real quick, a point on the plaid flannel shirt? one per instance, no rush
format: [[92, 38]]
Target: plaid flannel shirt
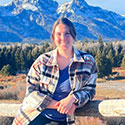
[[42, 80]]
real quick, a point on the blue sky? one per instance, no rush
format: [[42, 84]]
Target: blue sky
[[117, 6]]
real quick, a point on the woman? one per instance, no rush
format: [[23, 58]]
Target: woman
[[58, 82]]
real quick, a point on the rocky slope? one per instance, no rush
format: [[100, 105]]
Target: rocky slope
[[33, 19]]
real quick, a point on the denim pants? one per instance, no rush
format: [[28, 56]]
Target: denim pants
[[41, 120]]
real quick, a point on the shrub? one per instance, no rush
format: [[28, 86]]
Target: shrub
[[9, 93], [6, 70], [14, 91]]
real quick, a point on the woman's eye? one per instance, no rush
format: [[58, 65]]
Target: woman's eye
[[58, 34], [67, 33]]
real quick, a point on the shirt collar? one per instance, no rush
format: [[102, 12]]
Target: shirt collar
[[77, 56], [53, 57]]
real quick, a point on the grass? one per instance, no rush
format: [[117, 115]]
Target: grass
[[15, 86], [108, 93]]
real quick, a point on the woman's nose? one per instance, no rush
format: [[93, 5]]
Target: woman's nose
[[63, 37]]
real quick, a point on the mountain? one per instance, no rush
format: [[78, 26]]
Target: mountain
[[27, 19], [91, 21], [33, 19]]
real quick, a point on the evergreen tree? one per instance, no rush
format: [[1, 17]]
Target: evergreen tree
[[111, 56], [8, 55], [2, 59], [42, 49], [100, 42], [46, 45], [35, 53], [22, 61], [103, 64], [92, 41], [29, 59], [119, 48], [17, 60], [118, 59], [6, 70], [123, 62], [12, 59], [85, 41], [94, 52]]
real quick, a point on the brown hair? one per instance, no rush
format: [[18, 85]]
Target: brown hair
[[67, 22]]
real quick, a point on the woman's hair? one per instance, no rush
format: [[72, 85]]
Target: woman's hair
[[68, 23]]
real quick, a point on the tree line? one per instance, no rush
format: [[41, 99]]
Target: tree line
[[18, 58]]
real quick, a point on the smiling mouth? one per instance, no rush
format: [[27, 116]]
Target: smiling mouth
[[64, 43]]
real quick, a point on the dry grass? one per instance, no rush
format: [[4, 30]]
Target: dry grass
[[108, 93], [108, 88], [9, 93], [12, 80], [99, 80], [120, 70], [15, 87]]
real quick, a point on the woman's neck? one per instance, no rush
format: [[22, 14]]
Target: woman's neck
[[64, 58], [68, 54]]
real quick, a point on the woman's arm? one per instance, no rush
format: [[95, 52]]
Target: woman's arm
[[34, 96], [52, 105], [87, 91], [66, 105]]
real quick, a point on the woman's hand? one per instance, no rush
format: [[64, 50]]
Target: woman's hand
[[52, 105], [71, 111], [66, 106]]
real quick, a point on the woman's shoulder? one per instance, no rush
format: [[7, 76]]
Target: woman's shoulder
[[86, 56], [46, 55]]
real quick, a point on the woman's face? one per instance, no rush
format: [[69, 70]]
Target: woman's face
[[62, 37]]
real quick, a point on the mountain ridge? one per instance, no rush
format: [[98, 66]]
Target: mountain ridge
[[33, 19]]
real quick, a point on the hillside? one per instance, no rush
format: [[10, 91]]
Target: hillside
[[22, 21]]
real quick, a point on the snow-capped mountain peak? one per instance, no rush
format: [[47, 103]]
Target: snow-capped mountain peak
[[80, 3], [27, 19]]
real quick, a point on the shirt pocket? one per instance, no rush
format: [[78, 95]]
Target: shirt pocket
[[44, 82], [46, 85], [82, 79]]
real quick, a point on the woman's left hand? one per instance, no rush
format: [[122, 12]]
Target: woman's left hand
[[66, 106], [71, 111]]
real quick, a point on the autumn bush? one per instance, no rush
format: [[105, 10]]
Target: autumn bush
[[14, 89], [9, 93], [13, 92]]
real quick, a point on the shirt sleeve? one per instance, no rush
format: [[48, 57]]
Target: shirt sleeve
[[35, 97], [87, 92]]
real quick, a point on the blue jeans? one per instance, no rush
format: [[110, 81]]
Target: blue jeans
[[41, 120]]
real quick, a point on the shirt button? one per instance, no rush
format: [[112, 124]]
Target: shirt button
[[40, 109]]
